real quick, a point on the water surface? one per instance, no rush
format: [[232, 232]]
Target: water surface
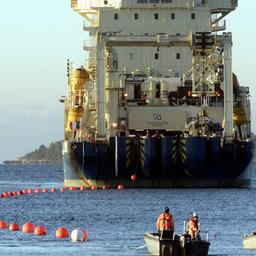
[[116, 220]]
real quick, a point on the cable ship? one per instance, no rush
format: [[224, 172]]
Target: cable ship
[[156, 105]]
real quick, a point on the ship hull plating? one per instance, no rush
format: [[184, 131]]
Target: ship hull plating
[[168, 162]]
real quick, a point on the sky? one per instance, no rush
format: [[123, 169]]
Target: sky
[[37, 38]]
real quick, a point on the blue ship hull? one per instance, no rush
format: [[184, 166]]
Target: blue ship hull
[[168, 162]]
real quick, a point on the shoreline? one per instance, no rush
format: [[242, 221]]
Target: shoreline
[[31, 162]]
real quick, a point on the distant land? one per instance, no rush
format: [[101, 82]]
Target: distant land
[[43, 154]]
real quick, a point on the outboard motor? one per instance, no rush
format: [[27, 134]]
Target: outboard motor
[[185, 244], [169, 247]]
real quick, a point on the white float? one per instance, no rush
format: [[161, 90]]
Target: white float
[[79, 235]]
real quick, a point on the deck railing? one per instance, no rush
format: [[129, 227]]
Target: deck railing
[[222, 4], [170, 102], [92, 4]]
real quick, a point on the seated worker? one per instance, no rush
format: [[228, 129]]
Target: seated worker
[[193, 226], [165, 224]]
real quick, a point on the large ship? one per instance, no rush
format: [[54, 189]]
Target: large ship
[[156, 105]]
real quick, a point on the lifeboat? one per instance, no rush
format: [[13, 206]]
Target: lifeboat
[[78, 78], [74, 118]]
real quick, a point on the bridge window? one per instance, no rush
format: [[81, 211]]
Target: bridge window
[[116, 16], [193, 16], [136, 16], [178, 56], [156, 16], [154, 1], [173, 16], [166, 1], [142, 1], [156, 56]]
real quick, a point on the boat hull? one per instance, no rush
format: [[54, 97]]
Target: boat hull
[[179, 246], [195, 162], [249, 242], [156, 246]]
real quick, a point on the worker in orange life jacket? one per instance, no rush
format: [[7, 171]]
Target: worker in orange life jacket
[[165, 224], [193, 226]]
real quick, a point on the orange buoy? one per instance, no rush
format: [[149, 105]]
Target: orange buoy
[[6, 194], [30, 191], [45, 190], [85, 234], [53, 189], [133, 177], [63, 189], [3, 224], [72, 188], [37, 190], [83, 188], [40, 231], [105, 187], [94, 187], [61, 233], [14, 227], [28, 227], [120, 187]]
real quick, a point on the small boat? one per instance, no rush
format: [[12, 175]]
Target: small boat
[[179, 245], [249, 241]]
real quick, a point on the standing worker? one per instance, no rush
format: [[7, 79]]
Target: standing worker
[[193, 226], [165, 224]]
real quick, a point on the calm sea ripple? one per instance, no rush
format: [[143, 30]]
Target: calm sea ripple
[[116, 220]]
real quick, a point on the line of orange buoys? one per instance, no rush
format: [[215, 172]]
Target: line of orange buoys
[[78, 234], [52, 190]]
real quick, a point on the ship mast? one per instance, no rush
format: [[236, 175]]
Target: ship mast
[[228, 88], [100, 103]]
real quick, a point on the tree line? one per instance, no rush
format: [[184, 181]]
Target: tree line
[[52, 154]]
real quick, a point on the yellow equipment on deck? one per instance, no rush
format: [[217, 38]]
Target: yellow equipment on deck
[[74, 115], [239, 115], [78, 78]]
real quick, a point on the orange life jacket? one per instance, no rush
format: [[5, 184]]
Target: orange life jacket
[[193, 228], [165, 221]]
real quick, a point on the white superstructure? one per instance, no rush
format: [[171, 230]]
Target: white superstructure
[[156, 65]]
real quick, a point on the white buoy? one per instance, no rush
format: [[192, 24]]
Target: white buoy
[[77, 235]]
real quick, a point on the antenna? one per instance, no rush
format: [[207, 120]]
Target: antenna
[[68, 68]]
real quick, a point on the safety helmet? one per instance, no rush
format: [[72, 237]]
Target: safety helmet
[[195, 215], [166, 209]]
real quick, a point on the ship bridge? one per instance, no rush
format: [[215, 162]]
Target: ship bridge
[[216, 6], [218, 9]]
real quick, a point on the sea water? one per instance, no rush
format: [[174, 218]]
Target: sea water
[[115, 220]]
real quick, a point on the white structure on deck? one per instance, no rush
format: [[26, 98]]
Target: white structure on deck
[[140, 51]]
